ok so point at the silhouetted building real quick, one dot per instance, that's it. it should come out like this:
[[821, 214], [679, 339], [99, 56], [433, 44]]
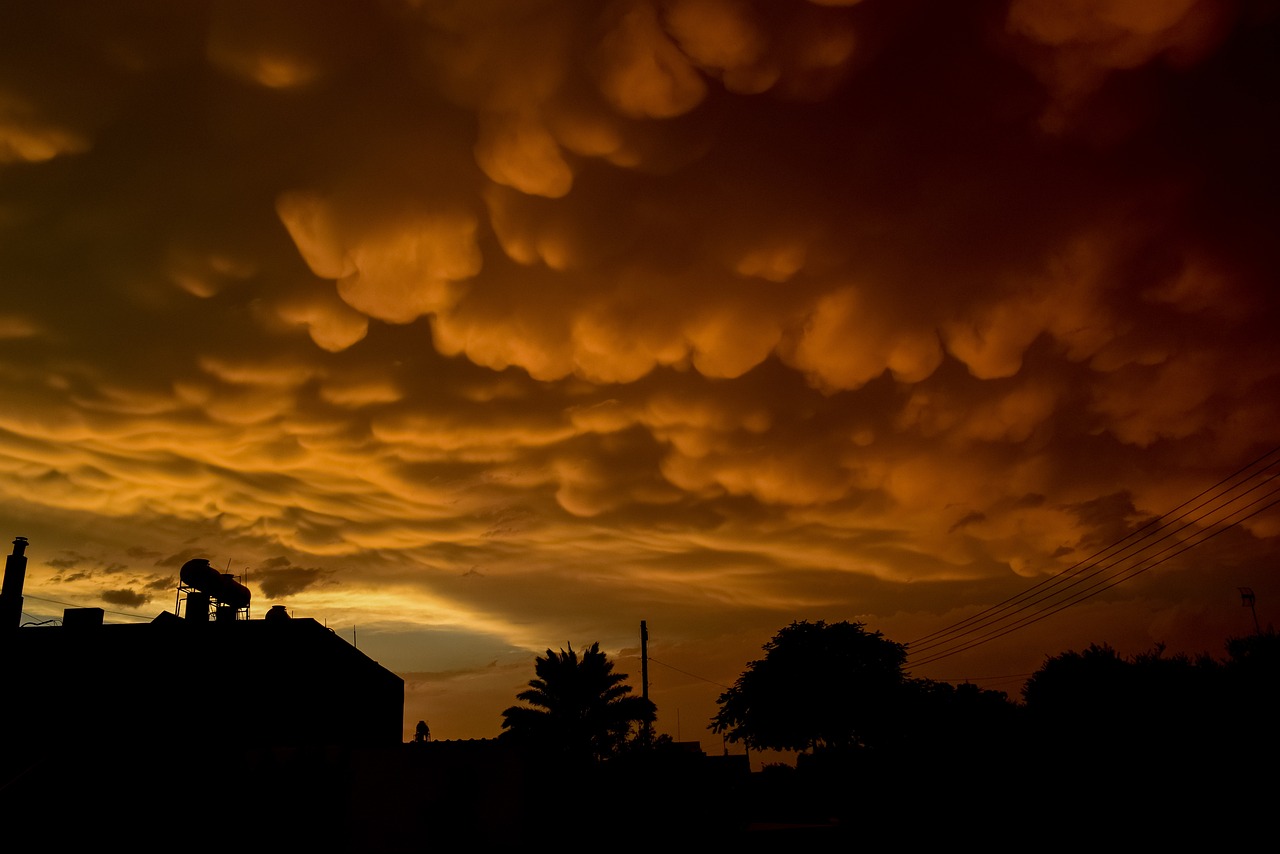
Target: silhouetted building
[[188, 713], [217, 685]]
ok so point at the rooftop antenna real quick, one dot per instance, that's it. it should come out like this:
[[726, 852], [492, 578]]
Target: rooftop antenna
[[1248, 600]]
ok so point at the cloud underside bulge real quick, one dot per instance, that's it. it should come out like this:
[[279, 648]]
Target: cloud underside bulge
[[704, 288]]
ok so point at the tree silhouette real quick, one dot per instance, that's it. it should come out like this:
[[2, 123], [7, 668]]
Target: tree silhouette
[[1082, 695], [819, 686], [576, 706]]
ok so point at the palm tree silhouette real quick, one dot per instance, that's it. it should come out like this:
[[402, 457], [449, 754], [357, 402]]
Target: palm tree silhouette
[[576, 706]]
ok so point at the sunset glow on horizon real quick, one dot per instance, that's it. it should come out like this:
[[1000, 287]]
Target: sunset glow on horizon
[[472, 329]]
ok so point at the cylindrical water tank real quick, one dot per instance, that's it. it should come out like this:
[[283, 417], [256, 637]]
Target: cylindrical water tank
[[232, 592], [220, 586], [198, 574]]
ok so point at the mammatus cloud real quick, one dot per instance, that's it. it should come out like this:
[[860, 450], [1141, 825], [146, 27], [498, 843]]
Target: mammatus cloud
[[528, 320], [1077, 46]]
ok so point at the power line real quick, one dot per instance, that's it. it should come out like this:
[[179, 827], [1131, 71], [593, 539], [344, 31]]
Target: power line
[[687, 673], [1071, 571], [1053, 595], [957, 644], [78, 605], [1011, 677], [1045, 612], [1122, 574]]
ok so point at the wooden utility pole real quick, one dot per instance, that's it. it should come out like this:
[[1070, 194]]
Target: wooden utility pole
[[644, 675]]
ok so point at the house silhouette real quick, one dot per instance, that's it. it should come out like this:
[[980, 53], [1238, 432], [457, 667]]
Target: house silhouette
[[99, 721]]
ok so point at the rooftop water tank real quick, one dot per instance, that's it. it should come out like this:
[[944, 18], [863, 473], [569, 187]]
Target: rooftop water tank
[[220, 586]]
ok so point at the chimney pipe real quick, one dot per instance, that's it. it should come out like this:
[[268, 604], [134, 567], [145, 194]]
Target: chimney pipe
[[15, 576]]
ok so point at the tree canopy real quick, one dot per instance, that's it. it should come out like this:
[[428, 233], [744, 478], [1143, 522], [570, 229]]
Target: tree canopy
[[820, 686], [577, 706], [1097, 701]]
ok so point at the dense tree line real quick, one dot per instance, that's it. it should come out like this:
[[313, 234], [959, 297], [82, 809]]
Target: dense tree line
[[1098, 740], [1096, 737]]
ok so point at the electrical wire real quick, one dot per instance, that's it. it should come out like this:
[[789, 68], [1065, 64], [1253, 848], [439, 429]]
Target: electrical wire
[[75, 605], [687, 673], [1100, 569], [1097, 587], [1054, 594], [1068, 573], [1100, 587]]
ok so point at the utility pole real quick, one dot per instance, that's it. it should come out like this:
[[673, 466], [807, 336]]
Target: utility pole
[[644, 676]]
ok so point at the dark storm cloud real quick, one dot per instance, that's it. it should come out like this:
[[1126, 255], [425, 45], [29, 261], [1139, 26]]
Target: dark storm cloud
[[285, 582], [125, 598], [180, 558]]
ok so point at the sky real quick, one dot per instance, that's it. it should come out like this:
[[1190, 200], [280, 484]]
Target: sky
[[474, 328]]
